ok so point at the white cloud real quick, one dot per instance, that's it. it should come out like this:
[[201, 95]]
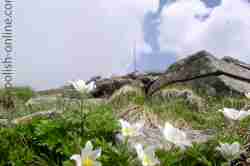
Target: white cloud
[[125, 18], [225, 33]]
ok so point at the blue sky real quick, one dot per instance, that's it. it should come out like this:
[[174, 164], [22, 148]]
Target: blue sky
[[61, 40], [212, 3]]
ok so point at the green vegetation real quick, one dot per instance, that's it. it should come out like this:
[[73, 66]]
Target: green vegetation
[[21, 93], [52, 141]]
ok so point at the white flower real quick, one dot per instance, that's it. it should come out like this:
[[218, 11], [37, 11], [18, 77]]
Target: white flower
[[176, 136], [91, 86], [228, 151], [81, 86], [234, 114], [247, 95], [88, 156], [147, 155], [131, 130]]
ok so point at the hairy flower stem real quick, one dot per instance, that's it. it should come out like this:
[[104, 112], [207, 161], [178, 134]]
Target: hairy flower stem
[[82, 117]]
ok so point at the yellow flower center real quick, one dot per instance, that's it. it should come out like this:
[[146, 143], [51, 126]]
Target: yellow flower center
[[88, 162], [146, 161], [128, 132]]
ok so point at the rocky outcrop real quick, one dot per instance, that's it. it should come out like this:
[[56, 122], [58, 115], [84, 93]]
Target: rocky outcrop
[[236, 62], [203, 70], [125, 93], [106, 87], [187, 95]]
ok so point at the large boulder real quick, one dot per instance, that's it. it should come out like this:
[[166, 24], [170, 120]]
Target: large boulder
[[106, 87], [206, 72], [125, 91]]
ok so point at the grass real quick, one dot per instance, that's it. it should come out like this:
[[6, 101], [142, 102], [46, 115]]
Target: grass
[[52, 141], [22, 93]]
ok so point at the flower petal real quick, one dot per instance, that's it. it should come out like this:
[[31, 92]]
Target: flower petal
[[233, 114], [243, 114], [77, 158], [95, 154], [229, 150], [89, 145], [247, 95], [139, 151], [173, 134], [124, 124], [87, 149], [139, 125], [150, 150], [235, 148]]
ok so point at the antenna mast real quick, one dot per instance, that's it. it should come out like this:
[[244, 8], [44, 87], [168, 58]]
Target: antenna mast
[[134, 55]]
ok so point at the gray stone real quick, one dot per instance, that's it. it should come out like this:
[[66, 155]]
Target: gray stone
[[152, 134], [41, 100], [106, 87], [203, 70], [154, 137], [3, 122], [124, 92], [43, 114], [236, 62], [187, 95]]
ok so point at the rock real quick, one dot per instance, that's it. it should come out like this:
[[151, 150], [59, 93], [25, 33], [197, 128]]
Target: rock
[[42, 114], [152, 134], [3, 122], [124, 92], [106, 87], [203, 70], [50, 92], [154, 137], [41, 101], [95, 78], [236, 62], [199, 136], [187, 95]]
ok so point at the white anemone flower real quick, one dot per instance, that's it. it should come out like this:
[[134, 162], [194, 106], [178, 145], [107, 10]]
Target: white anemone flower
[[131, 130], [176, 136], [234, 114], [91, 86], [88, 156], [147, 155], [228, 151], [81, 86]]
